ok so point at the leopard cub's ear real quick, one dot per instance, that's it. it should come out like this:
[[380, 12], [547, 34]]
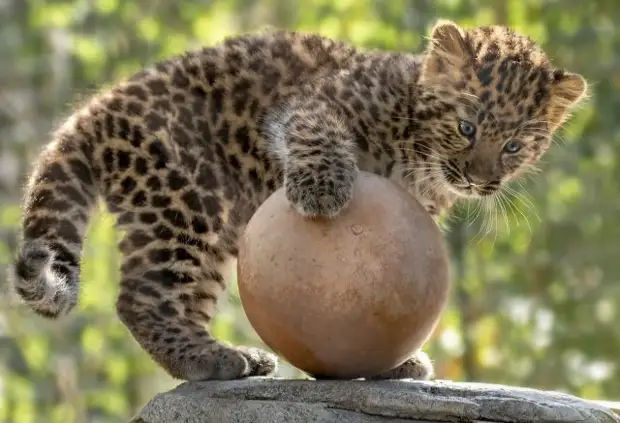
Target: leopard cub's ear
[[568, 88], [447, 50], [447, 40], [566, 92]]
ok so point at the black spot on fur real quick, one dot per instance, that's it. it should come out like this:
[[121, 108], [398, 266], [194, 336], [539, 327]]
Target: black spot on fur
[[160, 202], [46, 200], [81, 171], [148, 291], [123, 160], [176, 181], [39, 226], [157, 87], [134, 109], [153, 183], [73, 195], [54, 172], [175, 217], [108, 159], [148, 218], [128, 184], [139, 238], [212, 205], [485, 75], [179, 80], [191, 199], [126, 218], [181, 254], [167, 277], [163, 232], [139, 199], [159, 152], [206, 178], [217, 100], [160, 255], [137, 91], [62, 253], [140, 166], [199, 225]]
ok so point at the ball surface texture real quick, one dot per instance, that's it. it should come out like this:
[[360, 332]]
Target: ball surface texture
[[347, 297]]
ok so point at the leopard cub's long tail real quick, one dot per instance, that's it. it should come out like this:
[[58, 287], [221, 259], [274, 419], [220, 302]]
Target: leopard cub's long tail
[[59, 196]]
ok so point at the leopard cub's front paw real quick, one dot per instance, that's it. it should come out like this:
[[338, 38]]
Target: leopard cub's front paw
[[313, 194]]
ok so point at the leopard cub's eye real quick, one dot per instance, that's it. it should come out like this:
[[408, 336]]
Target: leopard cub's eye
[[513, 146], [467, 129]]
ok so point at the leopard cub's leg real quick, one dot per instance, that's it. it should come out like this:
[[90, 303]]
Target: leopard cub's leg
[[175, 258], [167, 298], [318, 154], [418, 366]]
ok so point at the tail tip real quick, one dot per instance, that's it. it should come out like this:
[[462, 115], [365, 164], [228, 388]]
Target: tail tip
[[33, 279], [33, 260]]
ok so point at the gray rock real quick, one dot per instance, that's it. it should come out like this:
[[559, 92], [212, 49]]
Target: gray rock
[[260, 400]]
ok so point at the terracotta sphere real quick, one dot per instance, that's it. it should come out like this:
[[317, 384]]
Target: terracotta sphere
[[348, 297]]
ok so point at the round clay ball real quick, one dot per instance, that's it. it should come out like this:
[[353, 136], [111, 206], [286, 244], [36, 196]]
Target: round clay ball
[[347, 297]]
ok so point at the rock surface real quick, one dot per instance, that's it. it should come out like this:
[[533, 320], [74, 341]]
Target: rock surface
[[261, 400]]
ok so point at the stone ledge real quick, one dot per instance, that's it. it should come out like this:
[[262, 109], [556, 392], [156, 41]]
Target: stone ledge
[[262, 400]]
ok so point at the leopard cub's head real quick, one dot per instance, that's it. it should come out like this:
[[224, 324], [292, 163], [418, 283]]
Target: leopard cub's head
[[498, 100]]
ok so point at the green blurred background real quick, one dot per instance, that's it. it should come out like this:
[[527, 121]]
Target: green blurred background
[[535, 301]]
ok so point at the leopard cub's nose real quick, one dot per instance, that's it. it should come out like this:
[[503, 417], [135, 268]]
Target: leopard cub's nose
[[473, 180]]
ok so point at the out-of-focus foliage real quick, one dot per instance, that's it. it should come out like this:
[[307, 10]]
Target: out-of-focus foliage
[[535, 300]]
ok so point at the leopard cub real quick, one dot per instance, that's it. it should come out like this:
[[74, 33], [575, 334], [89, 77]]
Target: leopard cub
[[184, 152]]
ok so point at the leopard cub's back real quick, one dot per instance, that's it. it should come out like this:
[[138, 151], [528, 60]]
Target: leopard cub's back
[[206, 108]]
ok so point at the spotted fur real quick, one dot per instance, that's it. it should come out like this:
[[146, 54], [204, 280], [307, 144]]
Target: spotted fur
[[184, 152]]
